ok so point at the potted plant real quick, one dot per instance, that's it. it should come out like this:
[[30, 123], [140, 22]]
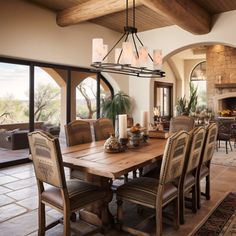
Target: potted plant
[[121, 103], [184, 106]]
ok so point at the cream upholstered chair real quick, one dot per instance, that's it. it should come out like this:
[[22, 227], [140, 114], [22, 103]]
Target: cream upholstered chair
[[103, 128], [157, 193], [78, 132], [178, 123], [205, 161], [188, 182], [64, 196]]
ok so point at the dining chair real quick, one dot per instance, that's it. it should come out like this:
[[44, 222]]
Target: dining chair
[[224, 133], [205, 161], [178, 123], [157, 193], [103, 128], [188, 181], [65, 196], [78, 132]]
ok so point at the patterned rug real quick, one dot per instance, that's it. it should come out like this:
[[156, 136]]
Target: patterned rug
[[221, 158], [222, 221]]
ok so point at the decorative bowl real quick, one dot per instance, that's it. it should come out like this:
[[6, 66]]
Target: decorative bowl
[[112, 145]]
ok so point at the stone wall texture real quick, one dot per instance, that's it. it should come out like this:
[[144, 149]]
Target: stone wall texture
[[221, 69]]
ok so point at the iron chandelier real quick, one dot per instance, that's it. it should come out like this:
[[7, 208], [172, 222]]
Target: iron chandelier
[[128, 61]]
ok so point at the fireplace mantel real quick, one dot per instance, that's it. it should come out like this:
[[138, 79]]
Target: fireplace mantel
[[227, 85]]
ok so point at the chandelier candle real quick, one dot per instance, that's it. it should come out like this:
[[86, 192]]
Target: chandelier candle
[[123, 126], [133, 58]]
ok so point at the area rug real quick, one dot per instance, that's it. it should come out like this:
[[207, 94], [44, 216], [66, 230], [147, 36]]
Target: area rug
[[221, 158], [222, 221]]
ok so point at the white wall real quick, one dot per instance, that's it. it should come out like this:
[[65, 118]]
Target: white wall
[[142, 92], [173, 39], [30, 32]]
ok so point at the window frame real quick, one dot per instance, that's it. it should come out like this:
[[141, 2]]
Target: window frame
[[33, 63]]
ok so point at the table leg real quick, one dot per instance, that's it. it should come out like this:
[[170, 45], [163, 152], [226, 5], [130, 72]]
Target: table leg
[[99, 214]]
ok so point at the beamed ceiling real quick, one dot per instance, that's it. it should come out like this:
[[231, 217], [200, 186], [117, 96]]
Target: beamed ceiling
[[192, 15]]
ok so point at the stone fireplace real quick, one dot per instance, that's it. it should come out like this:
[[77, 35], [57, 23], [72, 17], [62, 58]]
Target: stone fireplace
[[224, 101], [221, 77]]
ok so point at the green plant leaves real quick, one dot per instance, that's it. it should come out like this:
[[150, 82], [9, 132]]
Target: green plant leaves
[[120, 104], [185, 106]]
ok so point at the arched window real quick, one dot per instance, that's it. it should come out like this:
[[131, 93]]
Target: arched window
[[198, 78]]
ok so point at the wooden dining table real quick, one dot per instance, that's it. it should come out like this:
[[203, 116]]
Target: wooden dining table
[[102, 168]]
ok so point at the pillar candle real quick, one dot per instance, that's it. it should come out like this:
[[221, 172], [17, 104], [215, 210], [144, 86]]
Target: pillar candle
[[144, 119], [123, 126]]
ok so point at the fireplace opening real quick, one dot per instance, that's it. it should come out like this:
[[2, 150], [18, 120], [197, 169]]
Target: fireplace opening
[[229, 103]]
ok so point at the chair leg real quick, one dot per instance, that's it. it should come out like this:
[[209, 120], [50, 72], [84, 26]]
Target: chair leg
[[181, 207], [176, 213], [226, 146], [159, 221], [230, 146], [119, 213], [66, 222], [73, 217], [194, 199], [208, 187], [126, 178], [134, 174], [140, 172], [41, 219], [198, 193]]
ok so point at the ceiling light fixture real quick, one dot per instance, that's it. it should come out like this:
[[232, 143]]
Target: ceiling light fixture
[[128, 61]]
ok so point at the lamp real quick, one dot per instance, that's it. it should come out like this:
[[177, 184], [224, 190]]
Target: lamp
[[129, 60]]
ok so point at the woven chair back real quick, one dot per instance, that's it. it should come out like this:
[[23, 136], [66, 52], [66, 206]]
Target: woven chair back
[[210, 142], [173, 158], [103, 128], [47, 159], [78, 132], [195, 148]]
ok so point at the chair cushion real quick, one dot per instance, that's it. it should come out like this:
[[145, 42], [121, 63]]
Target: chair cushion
[[204, 171], [143, 190], [80, 194]]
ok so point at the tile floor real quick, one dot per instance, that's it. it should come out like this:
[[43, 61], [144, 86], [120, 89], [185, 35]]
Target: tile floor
[[18, 202]]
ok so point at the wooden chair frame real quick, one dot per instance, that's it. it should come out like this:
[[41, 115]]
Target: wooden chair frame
[[171, 169], [47, 161], [206, 157], [191, 165]]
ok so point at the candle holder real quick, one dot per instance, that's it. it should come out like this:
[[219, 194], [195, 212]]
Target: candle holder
[[124, 142]]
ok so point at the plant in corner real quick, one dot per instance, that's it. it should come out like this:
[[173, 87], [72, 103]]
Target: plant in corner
[[121, 103], [184, 106]]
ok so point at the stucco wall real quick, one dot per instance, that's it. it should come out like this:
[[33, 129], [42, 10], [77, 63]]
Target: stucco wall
[[29, 31]]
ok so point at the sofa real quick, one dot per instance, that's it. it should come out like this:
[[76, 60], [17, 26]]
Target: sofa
[[15, 136]]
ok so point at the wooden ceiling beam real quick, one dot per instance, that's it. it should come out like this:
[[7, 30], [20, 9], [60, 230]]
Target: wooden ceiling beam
[[90, 10], [185, 13]]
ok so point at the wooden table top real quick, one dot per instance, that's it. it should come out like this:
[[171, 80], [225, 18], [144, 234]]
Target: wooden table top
[[91, 158]]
